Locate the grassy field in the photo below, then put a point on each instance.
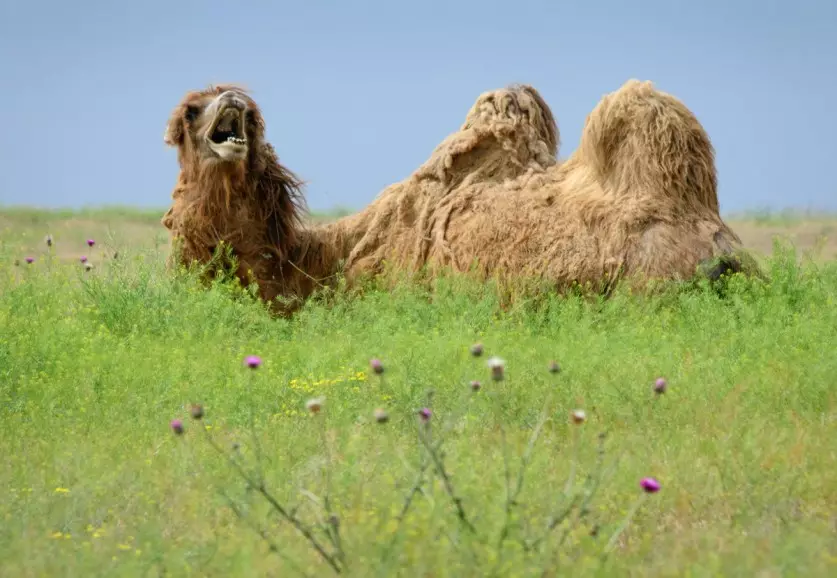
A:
(95, 365)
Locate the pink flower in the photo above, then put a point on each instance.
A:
(90, 242)
(30, 260)
(424, 414)
(660, 385)
(177, 426)
(83, 259)
(376, 365)
(253, 361)
(650, 485)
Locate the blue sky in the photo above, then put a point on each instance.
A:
(357, 94)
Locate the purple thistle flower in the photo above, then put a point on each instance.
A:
(476, 349)
(253, 361)
(650, 485)
(660, 385)
(30, 260)
(424, 414)
(376, 365)
(177, 426)
(83, 259)
(90, 242)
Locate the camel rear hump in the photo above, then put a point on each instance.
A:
(642, 142)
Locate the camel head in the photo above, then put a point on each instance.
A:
(220, 126)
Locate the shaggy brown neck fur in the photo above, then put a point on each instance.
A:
(257, 209)
(256, 206)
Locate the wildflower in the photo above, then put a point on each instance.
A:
(376, 365)
(650, 485)
(90, 242)
(424, 414)
(497, 366)
(30, 260)
(476, 349)
(83, 259)
(253, 361)
(177, 426)
(196, 411)
(554, 367)
(660, 385)
(48, 240)
(476, 385)
(579, 416)
(381, 416)
(315, 405)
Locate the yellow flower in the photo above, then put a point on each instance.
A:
(62, 491)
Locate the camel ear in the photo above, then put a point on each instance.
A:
(174, 129)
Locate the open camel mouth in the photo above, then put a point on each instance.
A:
(227, 137)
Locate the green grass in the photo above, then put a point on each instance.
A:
(93, 366)
(784, 217)
(27, 215)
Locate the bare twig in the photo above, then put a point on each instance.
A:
(562, 515)
(296, 522)
(440, 469)
(256, 445)
(512, 497)
(272, 546)
(332, 522)
(408, 501)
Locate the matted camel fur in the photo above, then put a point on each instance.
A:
(637, 200)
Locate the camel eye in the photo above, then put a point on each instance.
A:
(192, 113)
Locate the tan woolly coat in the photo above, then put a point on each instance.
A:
(637, 199)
